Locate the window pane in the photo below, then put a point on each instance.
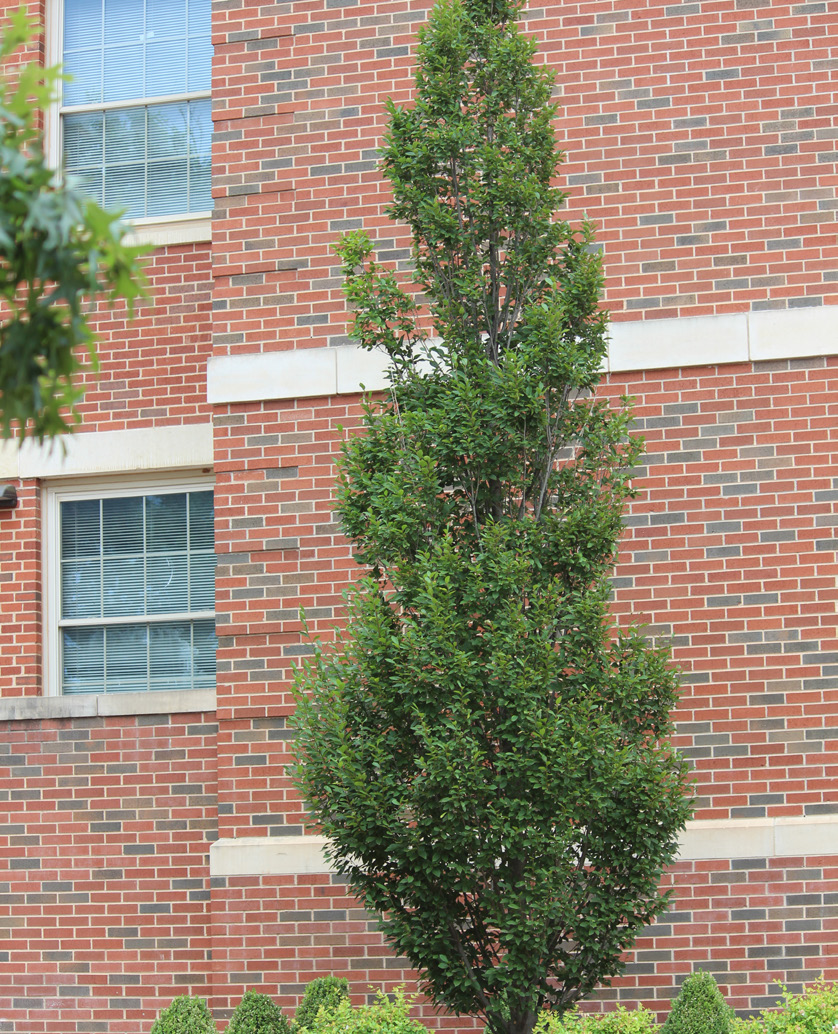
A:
(166, 522)
(83, 140)
(122, 525)
(82, 24)
(125, 135)
(85, 71)
(81, 589)
(126, 658)
(123, 590)
(198, 17)
(199, 63)
(165, 67)
(80, 528)
(122, 73)
(83, 656)
(168, 131)
(200, 128)
(199, 185)
(83, 136)
(167, 19)
(201, 534)
(167, 187)
(167, 588)
(123, 21)
(125, 189)
(204, 644)
(202, 582)
(171, 656)
(90, 184)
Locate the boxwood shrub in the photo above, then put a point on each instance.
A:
(185, 1016)
(320, 993)
(699, 1008)
(258, 1014)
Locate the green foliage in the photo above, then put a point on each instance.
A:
(185, 1016)
(58, 250)
(814, 1011)
(320, 993)
(384, 1016)
(258, 1014)
(616, 1021)
(699, 1008)
(487, 757)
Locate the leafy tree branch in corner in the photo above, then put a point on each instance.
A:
(59, 252)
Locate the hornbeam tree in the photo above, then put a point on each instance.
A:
(486, 754)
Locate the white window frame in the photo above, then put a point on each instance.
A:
(53, 495)
(191, 227)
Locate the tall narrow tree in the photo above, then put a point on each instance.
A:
(487, 757)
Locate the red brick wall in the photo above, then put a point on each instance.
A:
(750, 922)
(152, 369)
(730, 552)
(700, 141)
(105, 827)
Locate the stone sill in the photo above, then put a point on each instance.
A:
(703, 840)
(172, 231)
(100, 705)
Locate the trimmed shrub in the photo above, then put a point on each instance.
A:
(258, 1014)
(320, 993)
(185, 1016)
(384, 1016)
(617, 1021)
(814, 1011)
(699, 1008)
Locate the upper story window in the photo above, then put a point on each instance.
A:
(136, 115)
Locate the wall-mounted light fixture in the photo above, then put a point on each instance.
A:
(8, 497)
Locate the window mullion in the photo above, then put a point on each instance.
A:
(101, 68)
(137, 619)
(145, 45)
(136, 102)
(102, 557)
(188, 150)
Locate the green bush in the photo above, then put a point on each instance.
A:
(185, 1016)
(699, 1008)
(382, 1017)
(815, 1011)
(320, 993)
(618, 1021)
(258, 1014)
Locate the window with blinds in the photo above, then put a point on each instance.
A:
(135, 115)
(137, 592)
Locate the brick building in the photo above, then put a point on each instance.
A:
(150, 842)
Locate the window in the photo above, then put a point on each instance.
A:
(135, 118)
(130, 579)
